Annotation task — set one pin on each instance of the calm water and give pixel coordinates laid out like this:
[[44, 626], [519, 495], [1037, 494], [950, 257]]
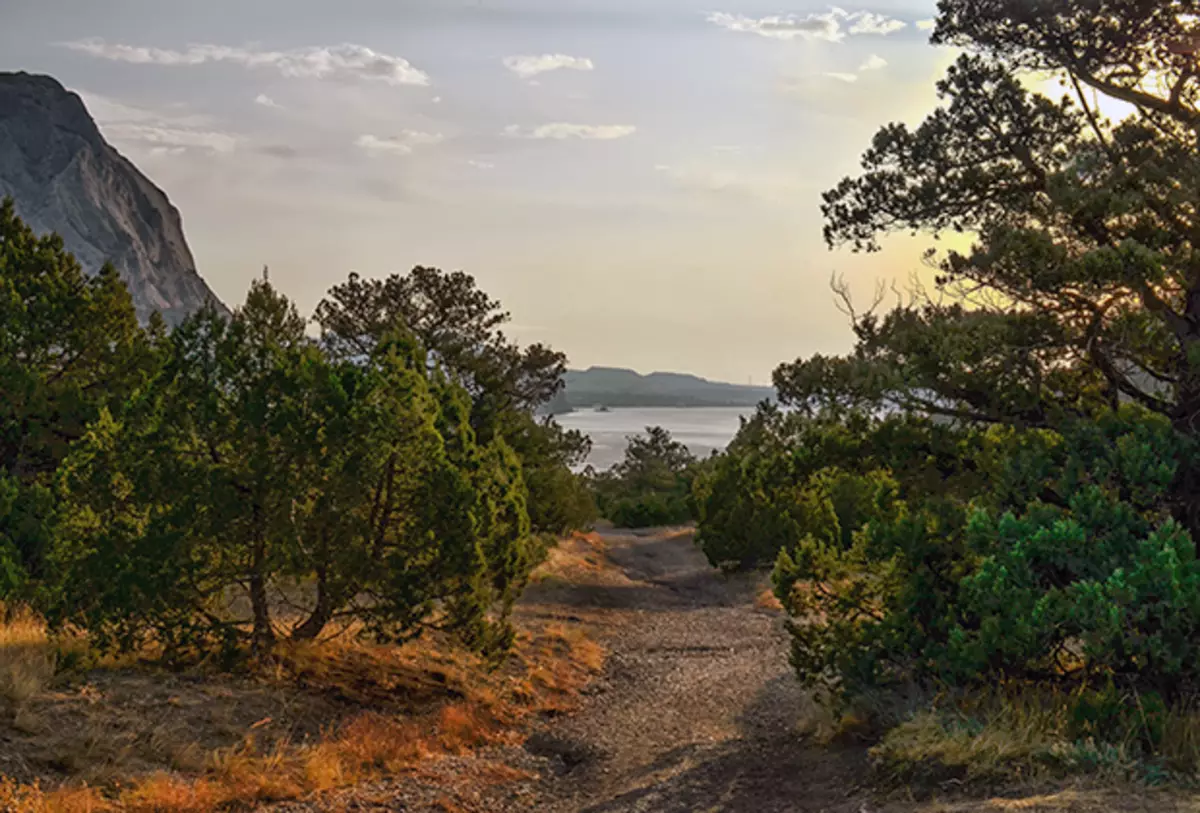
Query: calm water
[[701, 429]]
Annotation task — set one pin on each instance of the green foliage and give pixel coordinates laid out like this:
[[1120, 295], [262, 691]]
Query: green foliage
[[1058, 358], [788, 476], [234, 481], [1078, 291], [652, 486], [559, 500], [70, 348], [461, 328], [1068, 569], [254, 466]]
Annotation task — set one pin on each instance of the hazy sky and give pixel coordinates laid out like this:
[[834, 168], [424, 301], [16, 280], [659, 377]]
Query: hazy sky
[[638, 181]]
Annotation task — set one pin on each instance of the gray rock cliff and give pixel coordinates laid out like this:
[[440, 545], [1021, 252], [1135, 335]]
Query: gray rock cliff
[[64, 177]]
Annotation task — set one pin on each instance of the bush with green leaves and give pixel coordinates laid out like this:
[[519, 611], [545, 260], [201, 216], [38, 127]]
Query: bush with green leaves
[[651, 486], [70, 348], [1072, 295], [462, 329], [789, 475], [255, 473], [214, 488], [1069, 568]]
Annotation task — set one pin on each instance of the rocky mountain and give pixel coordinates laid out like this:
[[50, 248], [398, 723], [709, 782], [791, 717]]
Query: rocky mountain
[[615, 387], [64, 177]]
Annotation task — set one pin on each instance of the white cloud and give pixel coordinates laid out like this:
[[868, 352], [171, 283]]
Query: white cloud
[[562, 130], [480, 164], [266, 101], [346, 61], [874, 63], [866, 22], [527, 66], [843, 77], [402, 144], [814, 26], [926, 25], [832, 26], [157, 132]]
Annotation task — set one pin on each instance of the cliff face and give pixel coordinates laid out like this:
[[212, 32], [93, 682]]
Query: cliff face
[[64, 177]]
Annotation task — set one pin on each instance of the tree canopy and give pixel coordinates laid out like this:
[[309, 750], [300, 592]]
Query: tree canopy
[[1081, 290], [999, 482], [214, 488]]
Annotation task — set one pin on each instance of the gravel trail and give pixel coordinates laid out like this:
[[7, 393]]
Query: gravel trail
[[697, 709]]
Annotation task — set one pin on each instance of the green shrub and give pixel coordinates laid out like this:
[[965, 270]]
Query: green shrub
[[789, 475], [649, 510], [1069, 568], [652, 485]]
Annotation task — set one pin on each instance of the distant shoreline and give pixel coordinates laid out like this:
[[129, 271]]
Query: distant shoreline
[[569, 410], [615, 388]]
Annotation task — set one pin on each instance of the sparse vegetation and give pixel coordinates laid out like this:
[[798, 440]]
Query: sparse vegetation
[[313, 717]]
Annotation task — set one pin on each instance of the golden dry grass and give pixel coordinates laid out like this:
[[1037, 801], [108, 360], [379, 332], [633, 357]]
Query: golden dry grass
[[27, 656], [314, 718], [1024, 731], [767, 600]]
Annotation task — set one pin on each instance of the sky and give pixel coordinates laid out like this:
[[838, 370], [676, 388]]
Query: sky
[[637, 181]]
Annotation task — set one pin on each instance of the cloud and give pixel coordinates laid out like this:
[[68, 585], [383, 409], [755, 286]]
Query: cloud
[[402, 144], [562, 130], [266, 101], [527, 66], [866, 22], [154, 131], [831, 26], [874, 63], [926, 25], [814, 26], [480, 164], [843, 77], [344, 62]]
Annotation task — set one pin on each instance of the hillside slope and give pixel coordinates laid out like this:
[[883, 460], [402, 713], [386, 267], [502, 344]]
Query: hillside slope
[[64, 177], [615, 387]]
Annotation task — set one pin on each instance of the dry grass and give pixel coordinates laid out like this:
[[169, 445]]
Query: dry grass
[[27, 657], [1024, 732], [315, 718], [767, 600], [1076, 800]]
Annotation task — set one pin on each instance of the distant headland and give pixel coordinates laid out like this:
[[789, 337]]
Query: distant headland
[[616, 387]]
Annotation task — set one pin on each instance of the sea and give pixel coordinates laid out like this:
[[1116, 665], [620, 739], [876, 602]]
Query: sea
[[701, 429]]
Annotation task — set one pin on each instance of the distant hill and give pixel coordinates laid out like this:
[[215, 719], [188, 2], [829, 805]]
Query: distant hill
[[615, 387]]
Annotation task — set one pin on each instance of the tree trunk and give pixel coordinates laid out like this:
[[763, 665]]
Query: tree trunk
[[264, 636], [321, 613], [1187, 479]]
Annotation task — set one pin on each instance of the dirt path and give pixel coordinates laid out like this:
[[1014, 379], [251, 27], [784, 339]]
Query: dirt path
[[698, 707], [697, 710]]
